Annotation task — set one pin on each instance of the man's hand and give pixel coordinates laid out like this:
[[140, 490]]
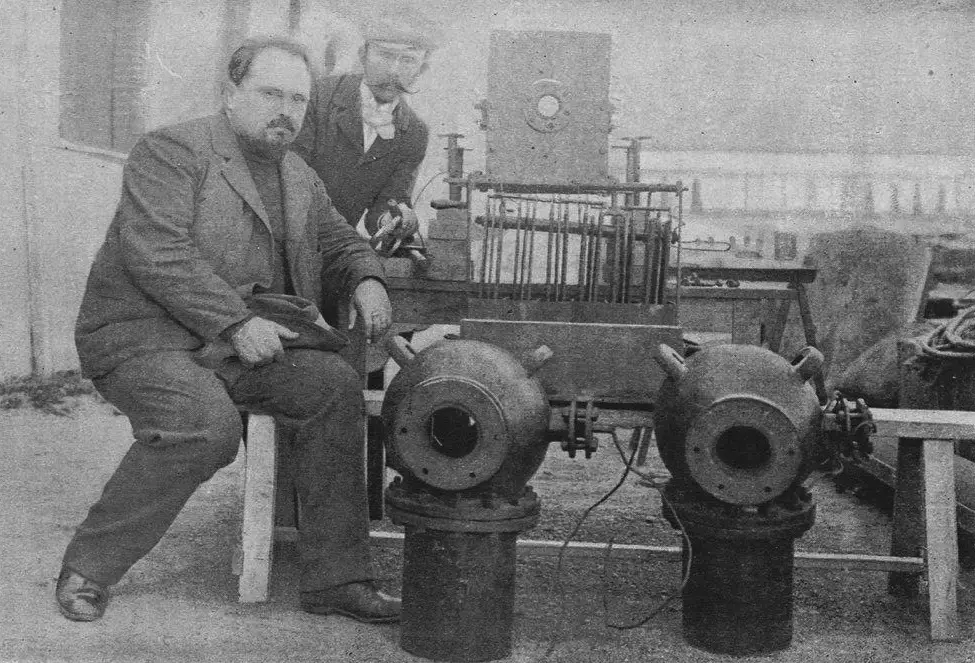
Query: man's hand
[[372, 303], [409, 224], [258, 341]]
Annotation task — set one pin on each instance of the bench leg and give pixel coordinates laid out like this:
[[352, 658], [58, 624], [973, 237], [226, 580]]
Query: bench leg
[[257, 532], [942, 538], [907, 536]]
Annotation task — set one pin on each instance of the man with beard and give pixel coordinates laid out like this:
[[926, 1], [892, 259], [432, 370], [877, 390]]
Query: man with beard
[[203, 300]]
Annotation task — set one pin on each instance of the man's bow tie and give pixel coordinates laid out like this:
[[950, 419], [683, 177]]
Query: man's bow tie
[[379, 119], [385, 131]]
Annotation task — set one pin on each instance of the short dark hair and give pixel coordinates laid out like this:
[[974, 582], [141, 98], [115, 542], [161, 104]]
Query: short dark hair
[[242, 59]]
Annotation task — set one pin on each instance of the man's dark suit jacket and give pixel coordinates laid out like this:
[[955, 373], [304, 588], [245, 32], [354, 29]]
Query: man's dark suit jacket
[[191, 239], [331, 143]]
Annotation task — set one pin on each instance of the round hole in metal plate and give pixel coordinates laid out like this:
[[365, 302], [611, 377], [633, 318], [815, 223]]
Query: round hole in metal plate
[[453, 432]]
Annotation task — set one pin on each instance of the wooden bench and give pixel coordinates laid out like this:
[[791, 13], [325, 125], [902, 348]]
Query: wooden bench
[[925, 505], [261, 524]]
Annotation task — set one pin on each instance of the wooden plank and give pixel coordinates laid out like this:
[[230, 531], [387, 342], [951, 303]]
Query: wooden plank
[[769, 274], [700, 292], [942, 541], [586, 356], [746, 322], [776, 320], [374, 401], [630, 551], [257, 530], [448, 224], [925, 424], [434, 306]]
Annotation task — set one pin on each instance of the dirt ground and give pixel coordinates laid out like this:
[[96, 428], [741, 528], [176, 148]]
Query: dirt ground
[[179, 603]]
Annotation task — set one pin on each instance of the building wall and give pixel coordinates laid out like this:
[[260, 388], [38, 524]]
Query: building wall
[[58, 196], [15, 346], [707, 81]]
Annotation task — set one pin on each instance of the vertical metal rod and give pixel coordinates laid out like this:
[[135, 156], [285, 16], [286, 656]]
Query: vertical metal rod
[[614, 268], [581, 280], [531, 246], [548, 252], [557, 251], [624, 233], [655, 259], [596, 257], [500, 248], [523, 262], [628, 266], [621, 258], [584, 254], [488, 222], [660, 259], [591, 267], [516, 262], [565, 253], [646, 256], [455, 164], [680, 226], [665, 243]]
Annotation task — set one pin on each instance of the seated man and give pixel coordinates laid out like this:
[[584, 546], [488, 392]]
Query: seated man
[[215, 218]]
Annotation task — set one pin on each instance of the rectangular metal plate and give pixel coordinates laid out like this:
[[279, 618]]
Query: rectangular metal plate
[[548, 109], [611, 362]]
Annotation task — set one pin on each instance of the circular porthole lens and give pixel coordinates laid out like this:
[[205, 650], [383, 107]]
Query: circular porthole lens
[[548, 105]]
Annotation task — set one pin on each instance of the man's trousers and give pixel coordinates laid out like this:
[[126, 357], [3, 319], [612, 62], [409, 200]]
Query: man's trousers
[[186, 424]]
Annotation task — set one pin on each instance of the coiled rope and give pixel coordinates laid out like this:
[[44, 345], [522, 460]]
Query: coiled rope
[[954, 339]]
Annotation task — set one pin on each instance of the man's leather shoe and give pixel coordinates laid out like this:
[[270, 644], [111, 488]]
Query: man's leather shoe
[[80, 599], [358, 600]]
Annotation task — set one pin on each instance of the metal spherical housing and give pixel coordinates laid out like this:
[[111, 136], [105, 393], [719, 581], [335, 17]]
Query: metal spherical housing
[[464, 414], [739, 422]]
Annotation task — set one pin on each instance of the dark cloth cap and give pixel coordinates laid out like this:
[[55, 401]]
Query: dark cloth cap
[[401, 23]]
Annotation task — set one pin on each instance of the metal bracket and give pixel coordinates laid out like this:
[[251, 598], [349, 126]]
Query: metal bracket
[[848, 425], [579, 418]]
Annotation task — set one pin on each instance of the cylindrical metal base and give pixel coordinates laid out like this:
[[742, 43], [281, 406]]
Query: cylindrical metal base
[[738, 597], [458, 594]]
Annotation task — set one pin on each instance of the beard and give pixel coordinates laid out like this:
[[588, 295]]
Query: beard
[[271, 143]]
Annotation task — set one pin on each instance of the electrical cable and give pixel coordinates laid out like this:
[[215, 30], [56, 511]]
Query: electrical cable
[[653, 482], [425, 185], [677, 595], [573, 532]]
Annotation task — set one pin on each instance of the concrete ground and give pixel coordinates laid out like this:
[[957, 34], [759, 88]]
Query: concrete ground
[[179, 603]]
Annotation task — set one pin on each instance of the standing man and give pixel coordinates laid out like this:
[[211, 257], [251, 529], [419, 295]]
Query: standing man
[[202, 300], [360, 135]]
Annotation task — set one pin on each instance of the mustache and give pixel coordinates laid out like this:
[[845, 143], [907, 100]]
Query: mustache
[[396, 85], [282, 122]]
